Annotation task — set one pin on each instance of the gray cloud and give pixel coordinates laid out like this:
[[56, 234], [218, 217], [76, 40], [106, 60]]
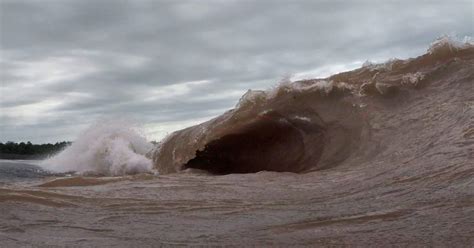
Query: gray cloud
[[66, 63]]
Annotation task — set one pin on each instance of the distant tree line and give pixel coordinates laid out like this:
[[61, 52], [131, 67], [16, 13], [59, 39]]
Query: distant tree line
[[28, 149], [22, 150]]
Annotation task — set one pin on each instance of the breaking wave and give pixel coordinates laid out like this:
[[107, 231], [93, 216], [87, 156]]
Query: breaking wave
[[109, 147], [321, 123]]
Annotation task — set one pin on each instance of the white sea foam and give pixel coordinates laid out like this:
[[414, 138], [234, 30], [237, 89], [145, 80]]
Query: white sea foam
[[109, 147], [303, 118], [412, 78], [385, 66], [452, 42]]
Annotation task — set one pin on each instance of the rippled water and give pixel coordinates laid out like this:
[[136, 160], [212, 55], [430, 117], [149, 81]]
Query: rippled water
[[364, 205]]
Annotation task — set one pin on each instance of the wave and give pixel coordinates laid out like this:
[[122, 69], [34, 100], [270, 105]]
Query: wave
[[299, 126], [317, 124], [109, 147]]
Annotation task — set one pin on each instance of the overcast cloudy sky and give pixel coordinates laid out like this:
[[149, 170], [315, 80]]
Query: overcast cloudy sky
[[170, 64]]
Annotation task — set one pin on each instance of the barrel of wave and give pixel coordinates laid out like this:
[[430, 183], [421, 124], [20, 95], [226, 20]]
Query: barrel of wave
[[295, 127]]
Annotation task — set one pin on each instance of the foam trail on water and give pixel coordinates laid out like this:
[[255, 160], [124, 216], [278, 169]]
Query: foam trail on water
[[110, 147]]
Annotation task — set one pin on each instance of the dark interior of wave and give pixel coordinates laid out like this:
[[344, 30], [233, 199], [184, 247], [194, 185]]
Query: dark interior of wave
[[270, 143]]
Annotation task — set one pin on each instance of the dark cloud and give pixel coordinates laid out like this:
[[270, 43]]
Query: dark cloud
[[67, 63]]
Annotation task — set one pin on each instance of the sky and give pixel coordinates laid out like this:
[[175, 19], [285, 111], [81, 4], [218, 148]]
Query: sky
[[170, 64]]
